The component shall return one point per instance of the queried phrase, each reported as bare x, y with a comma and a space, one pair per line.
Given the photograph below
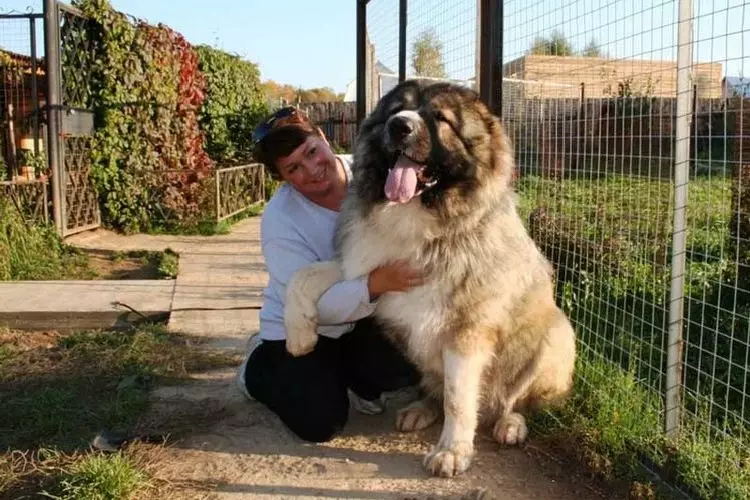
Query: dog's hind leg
418, 415
301, 311
511, 426
546, 378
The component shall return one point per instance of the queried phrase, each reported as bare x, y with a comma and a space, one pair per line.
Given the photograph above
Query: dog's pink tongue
401, 184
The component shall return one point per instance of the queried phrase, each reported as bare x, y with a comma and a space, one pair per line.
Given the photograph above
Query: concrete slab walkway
78, 305
219, 286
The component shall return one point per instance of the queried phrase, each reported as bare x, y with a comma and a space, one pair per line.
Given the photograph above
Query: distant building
387, 79
570, 76
735, 86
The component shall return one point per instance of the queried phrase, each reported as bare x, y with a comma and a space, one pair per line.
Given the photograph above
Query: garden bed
114, 265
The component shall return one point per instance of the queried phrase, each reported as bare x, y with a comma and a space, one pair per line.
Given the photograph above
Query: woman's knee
321, 424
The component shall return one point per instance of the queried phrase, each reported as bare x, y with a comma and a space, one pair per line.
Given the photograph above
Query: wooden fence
338, 120
559, 137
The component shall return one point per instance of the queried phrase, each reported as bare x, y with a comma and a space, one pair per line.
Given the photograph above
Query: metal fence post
682, 157
52, 61
217, 181
402, 20
34, 85
361, 61
491, 54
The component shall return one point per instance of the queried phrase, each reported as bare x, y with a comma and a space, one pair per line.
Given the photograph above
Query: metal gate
46, 107
73, 117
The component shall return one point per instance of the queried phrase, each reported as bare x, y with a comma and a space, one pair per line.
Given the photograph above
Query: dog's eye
444, 117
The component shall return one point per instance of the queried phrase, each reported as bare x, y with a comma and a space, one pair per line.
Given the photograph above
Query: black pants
309, 393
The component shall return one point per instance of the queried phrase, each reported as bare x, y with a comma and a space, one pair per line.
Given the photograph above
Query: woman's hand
394, 277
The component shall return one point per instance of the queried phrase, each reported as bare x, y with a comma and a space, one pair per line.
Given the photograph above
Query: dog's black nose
399, 128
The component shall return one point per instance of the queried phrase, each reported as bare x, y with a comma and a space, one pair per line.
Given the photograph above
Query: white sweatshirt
296, 232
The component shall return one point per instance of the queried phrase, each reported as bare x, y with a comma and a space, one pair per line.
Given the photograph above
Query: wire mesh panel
717, 308
382, 48
619, 145
589, 100
21, 91
441, 40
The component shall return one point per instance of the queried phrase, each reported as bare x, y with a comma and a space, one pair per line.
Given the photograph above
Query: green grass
610, 240
168, 263
209, 226
611, 416
33, 252
613, 422
101, 477
61, 393
47, 473
625, 224
58, 391
598, 209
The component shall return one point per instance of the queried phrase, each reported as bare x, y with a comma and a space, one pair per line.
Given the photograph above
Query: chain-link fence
630, 130
418, 38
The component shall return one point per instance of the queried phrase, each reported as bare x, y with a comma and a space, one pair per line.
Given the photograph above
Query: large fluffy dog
431, 185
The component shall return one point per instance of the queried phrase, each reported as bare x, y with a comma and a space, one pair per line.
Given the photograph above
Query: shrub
233, 106
148, 159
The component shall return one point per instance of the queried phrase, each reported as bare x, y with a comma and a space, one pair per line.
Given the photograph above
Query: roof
22, 58
737, 85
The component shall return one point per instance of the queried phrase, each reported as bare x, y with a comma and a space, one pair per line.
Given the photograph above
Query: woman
352, 362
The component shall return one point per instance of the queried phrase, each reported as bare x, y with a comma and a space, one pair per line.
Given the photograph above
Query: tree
318, 94
555, 45
427, 55
276, 92
592, 49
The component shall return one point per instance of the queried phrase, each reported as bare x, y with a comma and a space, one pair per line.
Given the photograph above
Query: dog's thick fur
484, 330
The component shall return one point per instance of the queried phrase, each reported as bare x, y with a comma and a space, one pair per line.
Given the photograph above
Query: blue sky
313, 43
636, 29
293, 41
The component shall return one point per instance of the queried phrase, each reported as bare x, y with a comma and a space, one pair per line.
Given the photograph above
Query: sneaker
403, 396
252, 344
366, 407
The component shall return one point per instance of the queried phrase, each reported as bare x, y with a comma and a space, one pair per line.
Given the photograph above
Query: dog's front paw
302, 342
449, 462
511, 429
416, 416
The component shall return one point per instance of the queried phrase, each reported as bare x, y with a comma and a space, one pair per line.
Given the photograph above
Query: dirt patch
36, 473
123, 265
239, 449
59, 390
23, 341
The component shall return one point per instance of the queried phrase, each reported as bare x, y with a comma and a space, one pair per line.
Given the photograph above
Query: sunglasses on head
278, 118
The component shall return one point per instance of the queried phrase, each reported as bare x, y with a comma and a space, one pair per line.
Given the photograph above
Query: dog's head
432, 143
